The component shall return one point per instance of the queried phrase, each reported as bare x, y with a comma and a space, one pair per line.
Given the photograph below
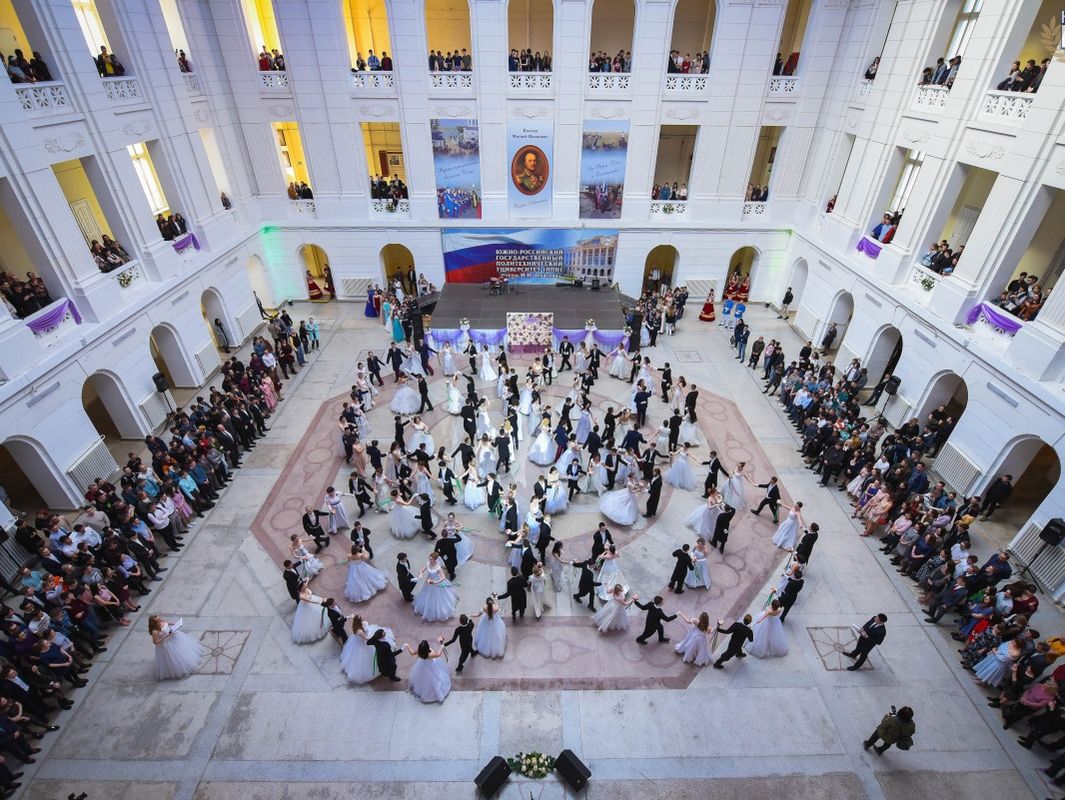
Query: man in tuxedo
594, 443
680, 569
336, 620
599, 540
423, 392
502, 445
516, 591
361, 536
465, 451
425, 515
690, 399
610, 463
510, 516
666, 382
632, 440
655, 617
445, 546
549, 367
573, 477
469, 420
404, 577
447, 481
292, 580
721, 527
675, 420
647, 463
312, 526
494, 490
586, 583
544, 537
464, 635
871, 635
594, 360
540, 487
791, 593
641, 398
635, 370
362, 490
739, 634
471, 390
654, 493
565, 351
471, 351
394, 356
373, 366
806, 543
711, 476
771, 499
386, 656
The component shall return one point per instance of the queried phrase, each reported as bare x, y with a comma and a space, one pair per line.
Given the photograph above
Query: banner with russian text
529, 183
604, 151
529, 255
457, 164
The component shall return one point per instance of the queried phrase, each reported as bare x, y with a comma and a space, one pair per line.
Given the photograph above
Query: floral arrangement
532, 765
667, 208
590, 322
126, 278
927, 282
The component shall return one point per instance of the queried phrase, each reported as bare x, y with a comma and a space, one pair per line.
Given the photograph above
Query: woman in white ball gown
571, 453
454, 396
680, 473
703, 519
733, 490
525, 398
698, 576
420, 435
307, 565
486, 456
620, 506
430, 679
406, 400
412, 361
490, 635
487, 372
436, 598
597, 475
614, 616
364, 581
447, 360
403, 517
788, 531
537, 590
176, 653
310, 622
359, 659
473, 495
619, 363
484, 421
338, 515
694, 648
770, 641
556, 500
609, 574
543, 448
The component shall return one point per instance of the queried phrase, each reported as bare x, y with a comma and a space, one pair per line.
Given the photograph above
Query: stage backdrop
529, 255
530, 181
604, 147
457, 164
529, 332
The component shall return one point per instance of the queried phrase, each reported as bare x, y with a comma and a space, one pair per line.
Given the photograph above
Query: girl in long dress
580, 359
430, 679
619, 363
364, 581
699, 575
447, 360
619, 506
473, 495
770, 641
398, 334
358, 658
436, 598
420, 435
405, 401
486, 371
382, 497
484, 422
454, 396
556, 500
609, 572
307, 565
310, 622
525, 398
543, 448
788, 531
597, 476
486, 457
694, 648
584, 426
338, 515
662, 438
463, 547
490, 635
403, 517
733, 490
993, 668
689, 432
571, 453
537, 589
680, 473
614, 616
556, 566
423, 483
177, 654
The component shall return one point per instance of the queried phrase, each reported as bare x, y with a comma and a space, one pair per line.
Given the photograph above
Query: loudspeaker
417, 327
892, 385
493, 776
159, 379
637, 331
1054, 531
572, 770
595, 284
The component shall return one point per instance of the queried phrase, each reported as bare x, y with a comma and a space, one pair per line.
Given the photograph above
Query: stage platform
571, 307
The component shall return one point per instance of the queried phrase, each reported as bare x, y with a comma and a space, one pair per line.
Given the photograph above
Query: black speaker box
1054, 531
892, 385
159, 379
572, 770
493, 776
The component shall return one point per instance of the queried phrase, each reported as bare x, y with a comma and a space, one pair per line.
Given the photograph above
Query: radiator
896, 410
956, 469
96, 462
248, 321
208, 359
155, 408
1049, 568
354, 288
699, 289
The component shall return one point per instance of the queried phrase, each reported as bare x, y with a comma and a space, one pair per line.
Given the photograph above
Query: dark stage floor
572, 307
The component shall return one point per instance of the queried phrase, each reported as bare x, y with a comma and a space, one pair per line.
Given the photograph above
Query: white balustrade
373, 81
923, 281
451, 81
273, 80
192, 83
390, 208
304, 207
122, 90
54, 332
532, 81
754, 209
783, 86
669, 208
43, 98
865, 88
686, 84
931, 97
1010, 108
609, 81
127, 276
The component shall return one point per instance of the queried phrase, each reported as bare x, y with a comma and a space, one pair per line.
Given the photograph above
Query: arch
840, 313
613, 27
741, 269
447, 26
213, 308
884, 354
664, 258
947, 389
1036, 470
531, 26
315, 266
260, 282
800, 271
31, 479
694, 24
109, 408
170, 357
396, 260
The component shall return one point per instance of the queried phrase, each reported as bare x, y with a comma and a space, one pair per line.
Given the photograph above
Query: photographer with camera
896, 728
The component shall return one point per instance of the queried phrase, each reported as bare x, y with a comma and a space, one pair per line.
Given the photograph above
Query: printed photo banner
529, 332
604, 152
529, 180
457, 165
528, 255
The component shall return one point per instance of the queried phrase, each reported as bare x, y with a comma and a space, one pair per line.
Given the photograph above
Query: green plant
532, 765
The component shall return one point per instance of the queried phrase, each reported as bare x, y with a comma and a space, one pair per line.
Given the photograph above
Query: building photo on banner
457, 166
604, 147
529, 147
529, 255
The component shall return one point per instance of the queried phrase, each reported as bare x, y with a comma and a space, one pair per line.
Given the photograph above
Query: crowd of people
392, 189
884, 231
23, 70
1026, 79
271, 60
756, 193
700, 65
108, 254
528, 61
108, 65
373, 63
942, 74
599, 61
24, 297
457, 61
299, 190
782, 67
171, 226
1023, 297
941, 258
669, 191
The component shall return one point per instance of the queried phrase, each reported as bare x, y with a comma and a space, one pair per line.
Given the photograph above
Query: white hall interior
85, 155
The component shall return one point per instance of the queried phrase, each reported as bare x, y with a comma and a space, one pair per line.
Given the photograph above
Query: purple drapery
868, 247
576, 335
489, 336
185, 241
50, 319
608, 340
995, 318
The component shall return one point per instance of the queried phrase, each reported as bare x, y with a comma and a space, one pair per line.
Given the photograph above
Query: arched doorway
613, 24
659, 268
31, 481
109, 409
170, 359
315, 265
693, 33
740, 273
884, 355
799, 273
946, 399
530, 28
260, 282
840, 314
214, 314
447, 28
1036, 470
397, 262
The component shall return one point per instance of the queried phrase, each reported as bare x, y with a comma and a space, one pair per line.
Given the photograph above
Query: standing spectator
896, 728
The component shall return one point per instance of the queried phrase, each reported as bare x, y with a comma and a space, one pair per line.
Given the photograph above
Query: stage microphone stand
1027, 569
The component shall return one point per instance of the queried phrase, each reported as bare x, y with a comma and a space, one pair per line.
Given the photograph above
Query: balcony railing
120, 91
931, 97
273, 80
669, 208
754, 209
783, 86
127, 277
532, 81
923, 281
373, 81
54, 322
304, 207
390, 208
1009, 108
609, 81
451, 81
686, 84
865, 88
192, 83
39, 99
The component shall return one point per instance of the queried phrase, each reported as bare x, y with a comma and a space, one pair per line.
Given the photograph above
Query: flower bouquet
532, 765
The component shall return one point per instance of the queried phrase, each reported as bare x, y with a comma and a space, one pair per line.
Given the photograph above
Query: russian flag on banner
470, 255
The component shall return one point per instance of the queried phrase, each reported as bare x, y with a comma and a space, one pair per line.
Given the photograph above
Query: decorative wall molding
137, 128
202, 115
682, 113
453, 112
374, 110
915, 136
607, 113
531, 112
778, 114
280, 109
64, 142
981, 148
1060, 168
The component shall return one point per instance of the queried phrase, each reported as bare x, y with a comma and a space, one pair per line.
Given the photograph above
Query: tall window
91, 26
153, 190
963, 27
911, 168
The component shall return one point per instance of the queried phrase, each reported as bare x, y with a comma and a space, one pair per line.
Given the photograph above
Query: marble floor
267, 719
